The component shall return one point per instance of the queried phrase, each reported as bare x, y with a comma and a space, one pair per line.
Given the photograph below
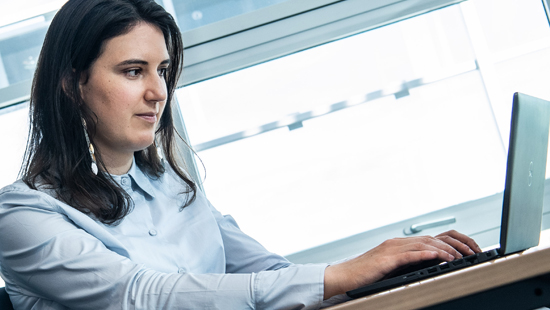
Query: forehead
143, 41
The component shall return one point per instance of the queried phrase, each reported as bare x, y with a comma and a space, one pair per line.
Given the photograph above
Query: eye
133, 72
162, 72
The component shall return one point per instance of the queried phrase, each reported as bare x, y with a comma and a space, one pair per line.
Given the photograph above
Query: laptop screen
525, 174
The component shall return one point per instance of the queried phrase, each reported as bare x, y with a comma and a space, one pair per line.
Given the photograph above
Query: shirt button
124, 181
181, 270
152, 232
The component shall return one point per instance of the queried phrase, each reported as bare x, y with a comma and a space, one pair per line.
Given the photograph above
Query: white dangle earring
90, 148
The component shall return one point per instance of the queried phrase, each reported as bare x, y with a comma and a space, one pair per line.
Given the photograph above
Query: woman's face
125, 88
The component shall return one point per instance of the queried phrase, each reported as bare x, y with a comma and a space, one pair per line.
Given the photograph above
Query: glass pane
528, 74
425, 148
20, 46
368, 62
360, 168
518, 36
23, 26
15, 11
195, 13
511, 23
14, 129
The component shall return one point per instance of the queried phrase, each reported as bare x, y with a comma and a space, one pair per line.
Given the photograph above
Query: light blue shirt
159, 257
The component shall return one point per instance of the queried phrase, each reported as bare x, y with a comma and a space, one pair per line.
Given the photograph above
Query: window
371, 129
14, 127
321, 119
20, 43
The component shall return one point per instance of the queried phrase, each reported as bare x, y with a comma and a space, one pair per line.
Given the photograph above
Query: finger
442, 245
464, 239
415, 257
444, 251
399, 252
459, 246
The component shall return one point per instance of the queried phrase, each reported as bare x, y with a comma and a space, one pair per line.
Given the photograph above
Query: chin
142, 145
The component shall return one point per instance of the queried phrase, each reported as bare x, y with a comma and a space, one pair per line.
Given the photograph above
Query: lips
148, 117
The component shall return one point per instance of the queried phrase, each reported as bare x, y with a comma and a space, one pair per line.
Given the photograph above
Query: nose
156, 89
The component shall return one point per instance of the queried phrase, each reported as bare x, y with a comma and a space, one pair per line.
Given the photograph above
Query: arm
247, 255
46, 259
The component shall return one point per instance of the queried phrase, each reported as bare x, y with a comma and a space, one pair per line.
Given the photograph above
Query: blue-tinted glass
195, 13
13, 136
20, 45
19, 54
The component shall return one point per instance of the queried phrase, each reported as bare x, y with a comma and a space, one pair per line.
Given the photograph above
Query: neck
117, 164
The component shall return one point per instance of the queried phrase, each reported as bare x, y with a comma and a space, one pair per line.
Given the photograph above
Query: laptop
522, 202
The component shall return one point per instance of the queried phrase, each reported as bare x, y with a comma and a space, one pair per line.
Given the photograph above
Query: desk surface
502, 271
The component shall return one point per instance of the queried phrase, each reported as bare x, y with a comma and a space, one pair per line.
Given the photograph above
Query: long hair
57, 154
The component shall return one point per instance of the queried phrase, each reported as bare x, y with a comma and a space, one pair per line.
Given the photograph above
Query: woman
100, 221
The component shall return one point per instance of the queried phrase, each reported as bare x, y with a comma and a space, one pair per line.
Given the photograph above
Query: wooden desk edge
458, 284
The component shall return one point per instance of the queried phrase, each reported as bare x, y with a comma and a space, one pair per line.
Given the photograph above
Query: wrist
335, 281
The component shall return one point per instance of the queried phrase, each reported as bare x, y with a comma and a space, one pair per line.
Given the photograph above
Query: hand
393, 254
464, 244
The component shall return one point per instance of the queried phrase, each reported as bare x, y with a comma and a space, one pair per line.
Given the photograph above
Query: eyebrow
139, 62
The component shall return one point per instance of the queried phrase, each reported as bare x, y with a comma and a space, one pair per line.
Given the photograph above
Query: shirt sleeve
48, 262
243, 253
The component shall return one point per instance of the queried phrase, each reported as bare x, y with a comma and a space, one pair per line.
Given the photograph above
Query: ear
82, 80
67, 83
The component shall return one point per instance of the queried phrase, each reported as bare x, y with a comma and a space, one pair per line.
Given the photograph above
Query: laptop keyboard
422, 271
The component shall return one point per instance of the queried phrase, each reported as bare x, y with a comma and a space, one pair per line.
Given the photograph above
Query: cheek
110, 102
125, 94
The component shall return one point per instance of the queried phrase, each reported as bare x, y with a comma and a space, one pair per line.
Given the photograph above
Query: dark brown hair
57, 153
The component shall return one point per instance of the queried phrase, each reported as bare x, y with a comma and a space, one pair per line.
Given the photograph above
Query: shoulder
38, 206
17, 187
20, 194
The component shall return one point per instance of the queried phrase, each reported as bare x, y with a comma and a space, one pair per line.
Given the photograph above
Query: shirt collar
141, 179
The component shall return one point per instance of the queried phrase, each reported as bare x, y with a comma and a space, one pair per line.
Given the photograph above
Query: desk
519, 281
